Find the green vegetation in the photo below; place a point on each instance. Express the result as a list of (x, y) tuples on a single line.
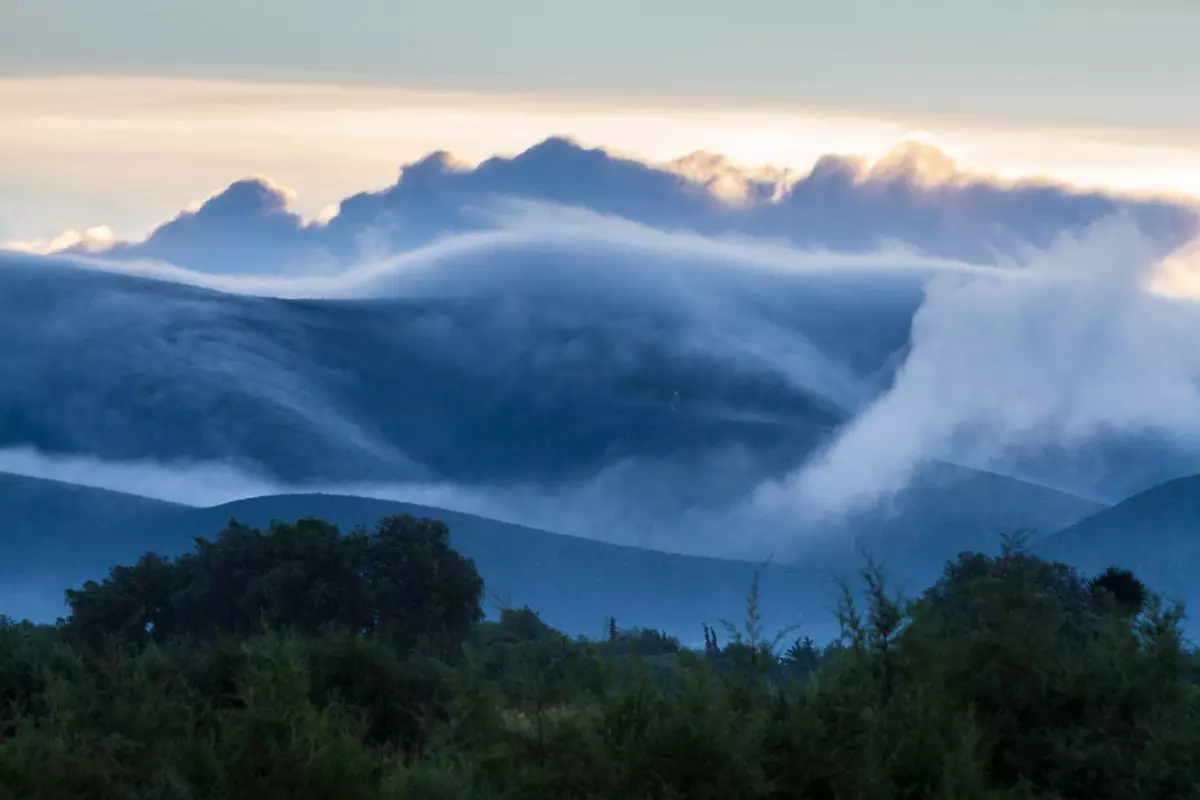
[(300, 663)]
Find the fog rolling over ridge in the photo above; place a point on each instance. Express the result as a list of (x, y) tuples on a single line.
[(662, 390), (601, 347)]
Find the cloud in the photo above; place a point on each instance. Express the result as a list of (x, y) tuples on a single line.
[(592, 344), (1071, 372), (916, 196), (549, 349), (243, 229), (101, 364), (556, 312), (91, 240), (198, 484)]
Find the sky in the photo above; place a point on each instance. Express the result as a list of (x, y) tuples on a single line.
[(1100, 61), (173, 99)]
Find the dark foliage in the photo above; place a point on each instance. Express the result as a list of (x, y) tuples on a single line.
[(402, 584), (1126, 591), (298, 663)]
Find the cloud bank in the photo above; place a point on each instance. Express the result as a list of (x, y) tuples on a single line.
[(591, 344), (915, 197), (558, 343), (1071, 373)]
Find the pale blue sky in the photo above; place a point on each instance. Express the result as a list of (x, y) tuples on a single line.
[(1089, 92), (1124, 62)]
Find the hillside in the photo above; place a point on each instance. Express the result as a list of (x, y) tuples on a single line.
[(51, 530), (59, 535), (1153, 533), (575, 583), (950, 508)]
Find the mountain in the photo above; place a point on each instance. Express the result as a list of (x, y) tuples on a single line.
[(56, 536), (45, 519), (52, 531), (609, 389), (949, 509), (1153, 533)]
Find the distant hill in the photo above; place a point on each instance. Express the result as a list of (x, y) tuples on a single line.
[(574, 583), (50, 530), (43, 519), (57, 535), (948, 509), (1154, 533)]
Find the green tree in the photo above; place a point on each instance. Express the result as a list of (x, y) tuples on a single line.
[(402, 584), (1126, 591)]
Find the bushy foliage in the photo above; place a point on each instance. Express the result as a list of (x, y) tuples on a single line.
[(320, 672), (401, 583)]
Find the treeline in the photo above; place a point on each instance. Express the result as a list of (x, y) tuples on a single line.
[(303, 663)]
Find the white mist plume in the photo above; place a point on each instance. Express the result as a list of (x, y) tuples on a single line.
[(1073, 348)]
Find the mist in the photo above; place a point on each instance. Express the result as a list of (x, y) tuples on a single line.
[(1055, 365), (708, 393)]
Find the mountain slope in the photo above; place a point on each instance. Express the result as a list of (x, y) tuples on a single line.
[(1154, 533), (52, 531), (43, 518), (949, 509), (56, 536)]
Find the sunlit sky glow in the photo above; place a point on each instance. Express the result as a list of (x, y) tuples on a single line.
[(128, 152), (158, 103)]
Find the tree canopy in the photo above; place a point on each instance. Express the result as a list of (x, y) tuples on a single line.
[(302, 663), (401, 583)]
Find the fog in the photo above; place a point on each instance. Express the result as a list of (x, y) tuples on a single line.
[(584, 360), (1074, 355)]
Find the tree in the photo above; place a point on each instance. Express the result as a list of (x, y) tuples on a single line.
[(980, 592), (803, 656), (402, 584), (422, 590), (133, 604), (1018, 648), (1127, 591)]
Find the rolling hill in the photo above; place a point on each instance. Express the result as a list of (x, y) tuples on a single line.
[(1154, 533), (58, 535), (949, 509)]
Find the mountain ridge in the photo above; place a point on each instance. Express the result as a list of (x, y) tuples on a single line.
[(1153, 533), (576, 581)]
